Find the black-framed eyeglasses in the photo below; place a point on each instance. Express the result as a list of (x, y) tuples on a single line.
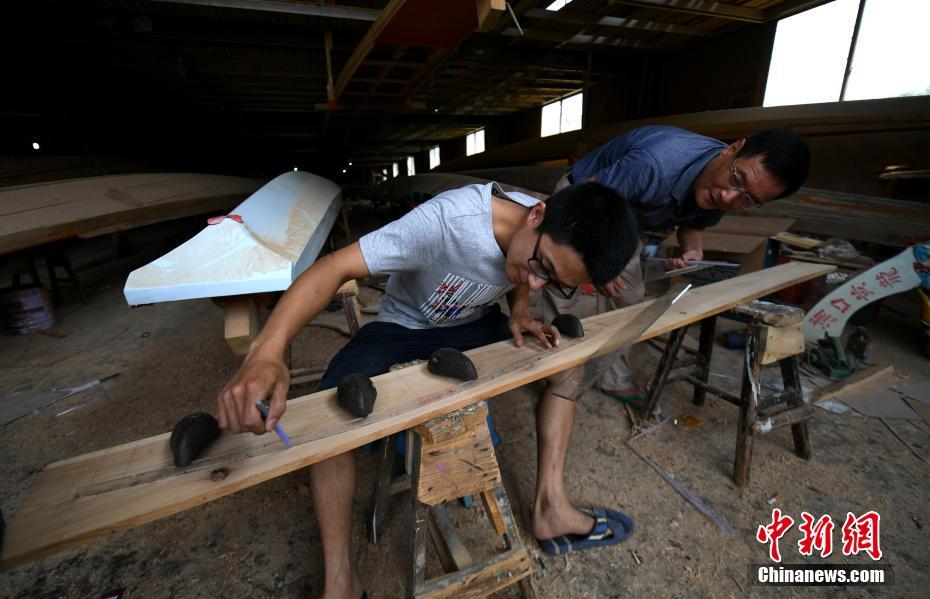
[(536, 266), (746, 201)]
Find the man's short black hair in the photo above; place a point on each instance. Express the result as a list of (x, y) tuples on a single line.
[(598, 223), (784, 154)]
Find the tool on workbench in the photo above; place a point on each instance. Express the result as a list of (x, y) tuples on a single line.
[(263, 410), (698, 262), (655, 268)]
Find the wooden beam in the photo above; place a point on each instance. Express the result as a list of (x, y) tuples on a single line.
[(293, 8), (91, 496), (705, 8), (561, 16), (367, 43), (583, 39), (788, 8), (886, 114), (489, 13)]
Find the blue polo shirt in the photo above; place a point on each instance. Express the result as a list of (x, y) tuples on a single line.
[(653, 168)]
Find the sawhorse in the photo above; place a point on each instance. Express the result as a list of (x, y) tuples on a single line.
[(775, 335), (448, 458)]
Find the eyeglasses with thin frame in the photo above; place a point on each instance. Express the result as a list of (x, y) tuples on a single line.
[(537, 268), (746, 201)]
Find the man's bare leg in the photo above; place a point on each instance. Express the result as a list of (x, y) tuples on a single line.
[(553, 515), (332, 486)]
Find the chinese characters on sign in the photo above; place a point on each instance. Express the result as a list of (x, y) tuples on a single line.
[(868, 288), (858, 534)]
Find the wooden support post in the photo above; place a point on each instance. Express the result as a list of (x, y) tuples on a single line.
[(654, 389), (241, 314), (749, 405), (348, 292), (705, 352), (381, 494), (417, 553), (792, 382)]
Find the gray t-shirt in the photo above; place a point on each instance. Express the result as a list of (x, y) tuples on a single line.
[(444, 264)]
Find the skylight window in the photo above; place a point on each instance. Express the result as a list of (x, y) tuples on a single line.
[(562, 115), (474, 142), (557, 5), (809, 57)]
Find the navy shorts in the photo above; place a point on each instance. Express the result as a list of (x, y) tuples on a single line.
[(379, 345)]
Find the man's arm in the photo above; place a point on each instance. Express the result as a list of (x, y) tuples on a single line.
[(263, 373), (518, 299), (691, 244)]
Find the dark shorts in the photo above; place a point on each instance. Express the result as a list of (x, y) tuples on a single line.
[(379, 345)]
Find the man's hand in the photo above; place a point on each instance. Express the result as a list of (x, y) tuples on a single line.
[(258, 379), (523, 322), (613, 288), (679, 262)]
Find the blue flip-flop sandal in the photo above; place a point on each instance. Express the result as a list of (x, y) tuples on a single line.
[(610, 528)]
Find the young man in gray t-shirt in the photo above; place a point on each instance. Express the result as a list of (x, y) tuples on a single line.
[(449, 261)]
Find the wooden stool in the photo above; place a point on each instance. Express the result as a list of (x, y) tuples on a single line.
[(448, 458), (23, 263), (453, 457), (775, 335)]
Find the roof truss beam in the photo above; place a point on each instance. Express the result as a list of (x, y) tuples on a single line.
[(578, 18), (293, 8), (705, 8)]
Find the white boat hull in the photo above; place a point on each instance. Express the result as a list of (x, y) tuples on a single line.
[(284, 225)]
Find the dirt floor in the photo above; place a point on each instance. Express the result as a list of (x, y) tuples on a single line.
[(263, 542)]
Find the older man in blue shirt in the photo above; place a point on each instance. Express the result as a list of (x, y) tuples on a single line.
[(675, 178)]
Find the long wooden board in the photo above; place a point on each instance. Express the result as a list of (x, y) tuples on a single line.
[(31, 215), (91, 496)]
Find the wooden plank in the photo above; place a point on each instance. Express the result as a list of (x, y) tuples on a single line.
[(801, 241), (91, 496), (32, 215), (858, 381), (482, 579)]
